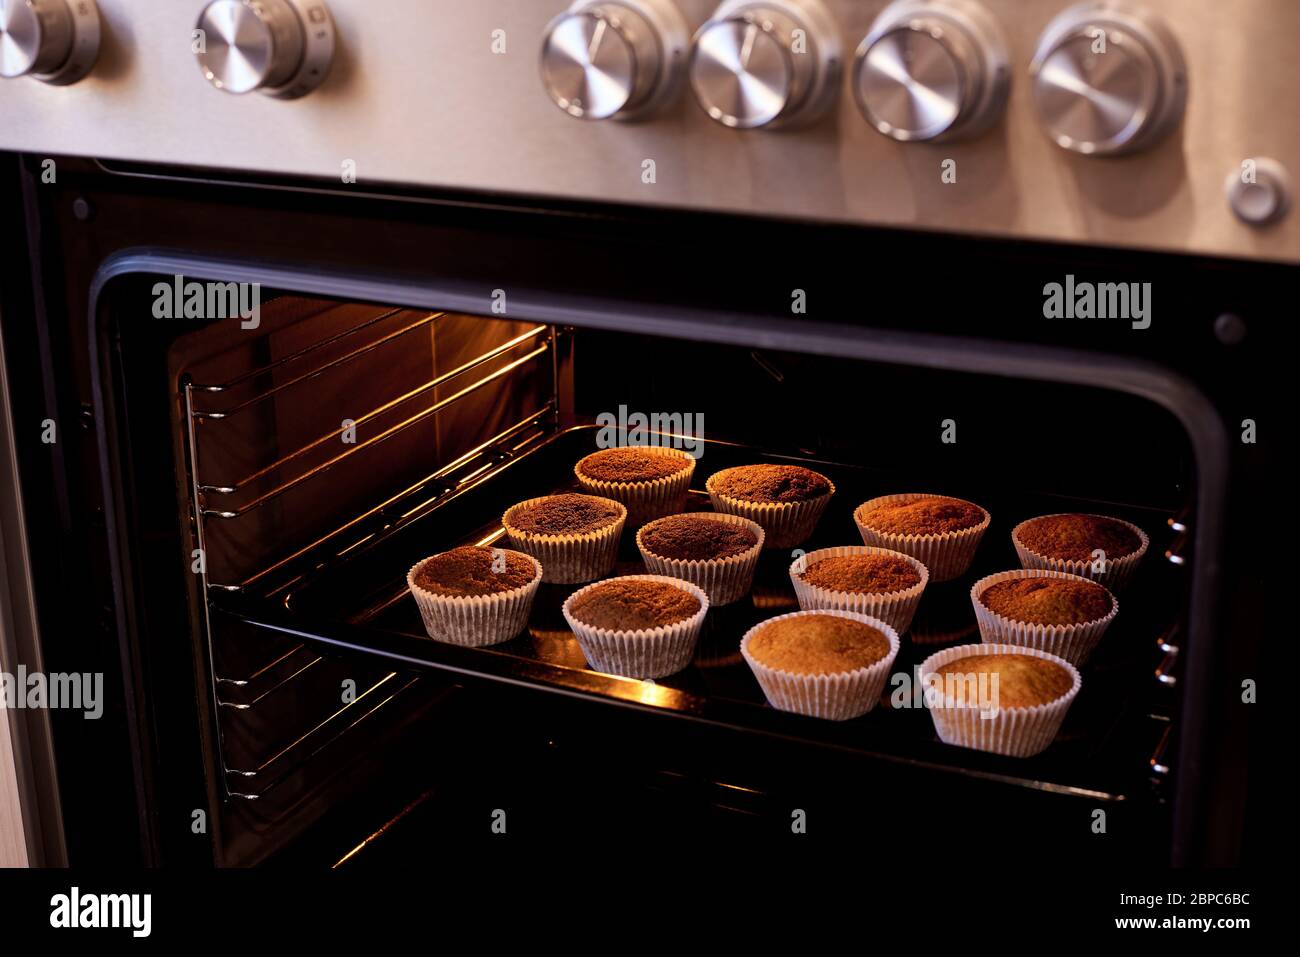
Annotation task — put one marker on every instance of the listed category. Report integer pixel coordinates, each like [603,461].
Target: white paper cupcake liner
[836,697]
[646,500]
[1017,732]
[475,620]
[1074,643]
[568,558]
[1115,573]
[893,608]
[642,653]
[724,579]
[947,555]
[787,524]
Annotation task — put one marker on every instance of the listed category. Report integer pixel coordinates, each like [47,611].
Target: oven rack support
[540,341]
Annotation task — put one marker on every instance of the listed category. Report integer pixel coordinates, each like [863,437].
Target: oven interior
[313,460]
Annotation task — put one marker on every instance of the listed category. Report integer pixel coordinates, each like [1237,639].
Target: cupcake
[1055,612]
[717,552]
[787,500]
[871,581]
[475,595]
[650,482]
[1000,698]
[639,626]
[575,537]
[939,531]
[1070,543]
[826,664]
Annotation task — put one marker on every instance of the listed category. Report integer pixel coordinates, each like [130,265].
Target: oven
[264,355]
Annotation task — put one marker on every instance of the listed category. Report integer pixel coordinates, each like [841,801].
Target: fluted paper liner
[1115,572]
[650,499]
[787,524]
[947,555]
[568,558]
[836,697]
[1074,643]
[1017,732]
[645,652]
[475,620]
[895,608]
[724,579]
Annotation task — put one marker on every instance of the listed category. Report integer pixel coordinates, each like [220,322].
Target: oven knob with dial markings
[283,48]
[55,41]
[771,63]
[932,70]
[618,59]
[1109,78]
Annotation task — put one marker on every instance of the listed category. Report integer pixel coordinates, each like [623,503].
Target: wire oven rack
[1111,745]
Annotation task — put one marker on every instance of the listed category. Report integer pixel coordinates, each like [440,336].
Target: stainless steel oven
[263,353]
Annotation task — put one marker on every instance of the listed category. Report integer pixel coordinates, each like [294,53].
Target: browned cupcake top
[1047,601]
[474,570]
[863,574]
[622,604]
[631,464]
[567,514]
[1075,537]
[931,515]
[818,644]
[692,538]
[1022,680]
[772,483]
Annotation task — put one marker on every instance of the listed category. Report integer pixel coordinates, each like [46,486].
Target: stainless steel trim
[35,778]
[416,97]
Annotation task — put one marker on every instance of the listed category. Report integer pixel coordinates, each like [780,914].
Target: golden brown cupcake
[1105,549]
[1047,601]
[650,482]
[1023,681]
[575,537]
[939,531]
[786,500]
[871,581]
[716,551]
[826,664]
[475,595]
[1056,612]
[640,626]
[1000,698]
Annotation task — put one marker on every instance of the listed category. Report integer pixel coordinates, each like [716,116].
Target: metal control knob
[1109,78]
[772,63]
[283,48]
[935,70]
[1260,191]
[604,59]
[55,41]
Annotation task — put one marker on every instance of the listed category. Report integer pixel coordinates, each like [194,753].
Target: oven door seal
[1173,392]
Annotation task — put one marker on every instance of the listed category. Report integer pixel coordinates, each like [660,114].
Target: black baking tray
[358,604]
